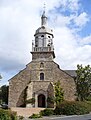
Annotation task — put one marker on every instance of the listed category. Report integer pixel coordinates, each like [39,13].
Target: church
[36,82]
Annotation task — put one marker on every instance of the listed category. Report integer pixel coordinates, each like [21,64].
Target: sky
[69,19]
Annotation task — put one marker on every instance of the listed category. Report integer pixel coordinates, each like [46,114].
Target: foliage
[32,101]
[4,94]
[89,104]
[47,112]
[59,95]
[35,116]
[72,108]
[83,82]
[7,115]
[88,98]
[50,99]
[50,102]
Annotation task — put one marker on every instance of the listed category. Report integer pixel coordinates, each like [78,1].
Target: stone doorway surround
[38,95]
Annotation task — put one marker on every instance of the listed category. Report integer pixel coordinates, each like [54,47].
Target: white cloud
[61,21]
[82,19]
[72,5]
[86,40]
[69,52]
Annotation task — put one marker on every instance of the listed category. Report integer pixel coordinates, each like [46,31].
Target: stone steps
[26,112]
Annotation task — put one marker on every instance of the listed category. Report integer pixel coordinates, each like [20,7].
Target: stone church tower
[36,81]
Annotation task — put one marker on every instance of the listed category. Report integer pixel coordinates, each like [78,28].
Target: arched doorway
[41,100]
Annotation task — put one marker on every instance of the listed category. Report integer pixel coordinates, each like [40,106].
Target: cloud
[86,41]
[68,5]
[82,19]
[69,52]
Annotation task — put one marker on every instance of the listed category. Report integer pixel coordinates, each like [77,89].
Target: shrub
[47,112]
[51,100]
[89,104]
[35,116]
[7,115]
[13,115]
[4,115]
[72,108]
[59,94]
[88,98]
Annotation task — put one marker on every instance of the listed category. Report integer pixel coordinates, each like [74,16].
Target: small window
[36,45]
[41,76]
[42,35]
[41,65]
[48,36]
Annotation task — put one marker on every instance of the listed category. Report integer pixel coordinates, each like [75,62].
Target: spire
[43,18]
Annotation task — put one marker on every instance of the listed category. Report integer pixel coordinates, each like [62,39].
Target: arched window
[42,35]
[41,76]
[48,36]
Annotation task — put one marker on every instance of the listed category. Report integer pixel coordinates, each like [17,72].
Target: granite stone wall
[52,73]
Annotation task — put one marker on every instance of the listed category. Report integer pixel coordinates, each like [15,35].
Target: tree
[83,82]
[4,94]
[59,95]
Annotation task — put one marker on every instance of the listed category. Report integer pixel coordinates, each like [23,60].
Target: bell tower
[42,46]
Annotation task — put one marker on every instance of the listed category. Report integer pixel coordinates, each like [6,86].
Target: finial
[43,17]
[44,8]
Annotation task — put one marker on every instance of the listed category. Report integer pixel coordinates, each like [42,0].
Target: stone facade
[29,80]
[38,78]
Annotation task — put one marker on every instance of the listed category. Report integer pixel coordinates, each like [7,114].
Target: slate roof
[71,72]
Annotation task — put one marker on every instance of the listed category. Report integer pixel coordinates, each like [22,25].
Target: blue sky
[69,19]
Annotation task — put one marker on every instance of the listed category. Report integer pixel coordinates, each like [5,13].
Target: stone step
[26,112]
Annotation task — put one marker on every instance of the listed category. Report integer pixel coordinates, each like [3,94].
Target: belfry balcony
[42,49]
